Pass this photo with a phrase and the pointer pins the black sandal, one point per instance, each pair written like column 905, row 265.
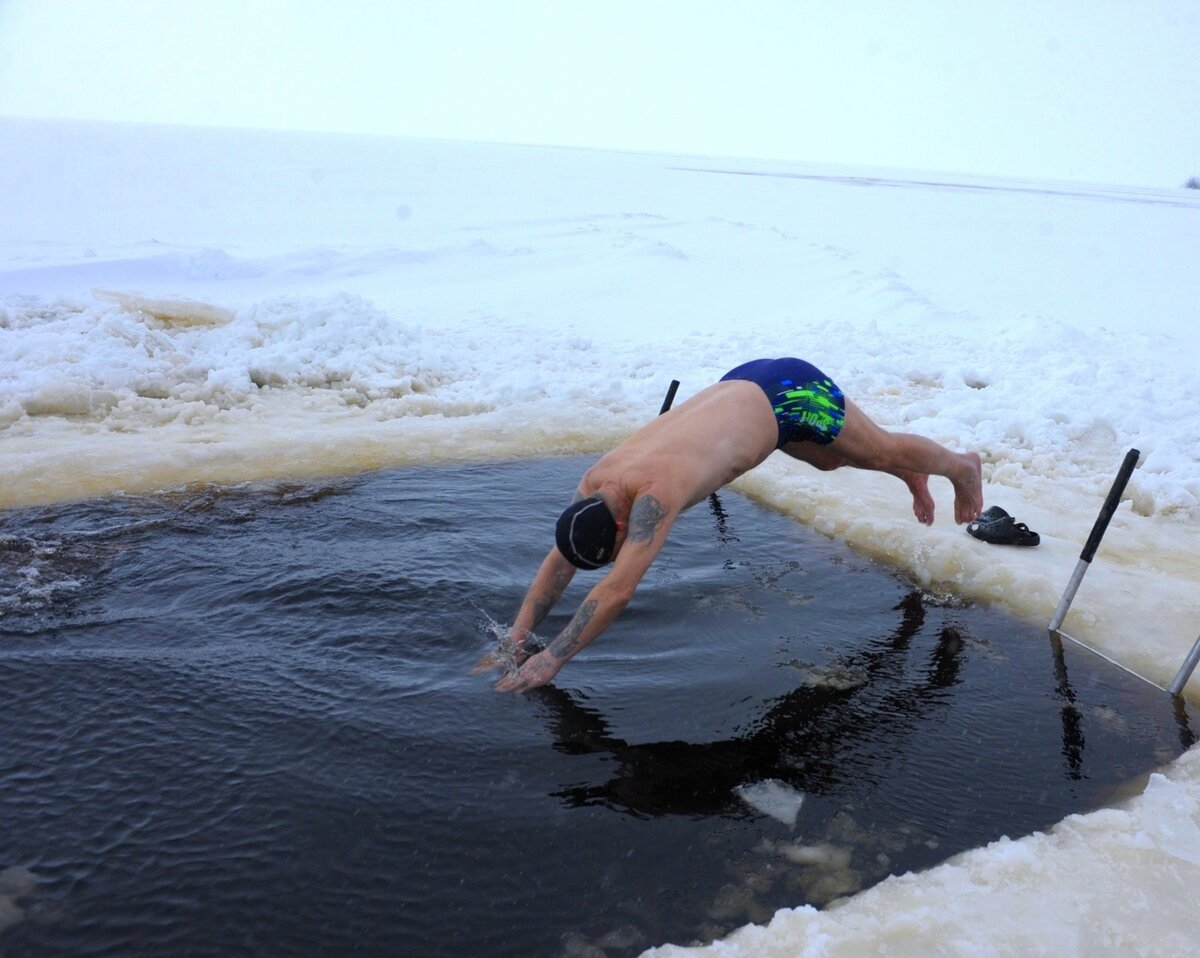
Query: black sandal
column 989, row 515
column 999, row 528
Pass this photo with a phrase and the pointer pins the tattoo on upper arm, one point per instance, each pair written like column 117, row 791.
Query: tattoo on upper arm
column 644, row 518
column 568, row 641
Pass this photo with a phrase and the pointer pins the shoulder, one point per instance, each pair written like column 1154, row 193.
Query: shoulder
column 648, row 514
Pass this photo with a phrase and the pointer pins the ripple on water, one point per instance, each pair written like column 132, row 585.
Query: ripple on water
column 241, row 720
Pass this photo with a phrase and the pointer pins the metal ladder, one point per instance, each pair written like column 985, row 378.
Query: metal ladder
column 1084, row 563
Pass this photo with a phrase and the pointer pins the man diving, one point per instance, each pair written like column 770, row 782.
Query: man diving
column 626, row 502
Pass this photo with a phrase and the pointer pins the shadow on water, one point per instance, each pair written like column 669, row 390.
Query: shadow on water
column 239, row 721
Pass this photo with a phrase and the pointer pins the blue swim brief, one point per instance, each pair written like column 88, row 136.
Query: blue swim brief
column 809, row 407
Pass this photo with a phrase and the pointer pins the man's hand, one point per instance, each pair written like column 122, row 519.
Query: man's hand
column 489, row 662
column 510, row 652
column 537, row 671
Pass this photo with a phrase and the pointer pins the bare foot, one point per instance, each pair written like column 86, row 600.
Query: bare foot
column 968, row 489
column 923, row 504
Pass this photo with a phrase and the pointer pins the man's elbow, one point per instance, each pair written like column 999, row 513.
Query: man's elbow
column 616, row 595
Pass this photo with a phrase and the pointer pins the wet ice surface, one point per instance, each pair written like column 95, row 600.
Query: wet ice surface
column 240, row 720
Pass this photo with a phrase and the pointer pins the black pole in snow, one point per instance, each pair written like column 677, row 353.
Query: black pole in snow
column 670, row 397
column 1093, row 542
column 1110, row 505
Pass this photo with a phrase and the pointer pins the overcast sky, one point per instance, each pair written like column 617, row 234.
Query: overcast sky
column 1094, row 90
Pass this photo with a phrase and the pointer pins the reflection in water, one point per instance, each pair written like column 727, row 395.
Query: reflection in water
column 1187, row 738
column 1072, row 721
column 721, row 518
column 16, row 884
column 833, row 761
column 806, row 739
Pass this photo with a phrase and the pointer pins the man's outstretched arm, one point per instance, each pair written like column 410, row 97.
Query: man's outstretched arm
column 553, row 577
column 649, row 522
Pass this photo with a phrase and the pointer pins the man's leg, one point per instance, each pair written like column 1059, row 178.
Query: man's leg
column 911, row 458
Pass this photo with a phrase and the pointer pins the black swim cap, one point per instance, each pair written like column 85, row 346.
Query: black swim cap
column 587, row 533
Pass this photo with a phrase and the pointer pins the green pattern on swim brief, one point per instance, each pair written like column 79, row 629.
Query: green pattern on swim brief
column 816, row 407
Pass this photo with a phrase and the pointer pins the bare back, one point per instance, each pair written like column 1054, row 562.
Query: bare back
column 694, row 449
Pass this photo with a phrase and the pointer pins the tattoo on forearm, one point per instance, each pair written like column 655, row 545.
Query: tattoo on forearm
column 567, row 642
column 544, row 603
column 644, row 518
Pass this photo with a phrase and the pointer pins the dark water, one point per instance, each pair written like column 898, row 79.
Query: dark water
column 239, row 722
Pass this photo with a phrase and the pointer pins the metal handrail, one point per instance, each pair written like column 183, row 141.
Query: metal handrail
column 1085, row 559
column 1093, row 542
